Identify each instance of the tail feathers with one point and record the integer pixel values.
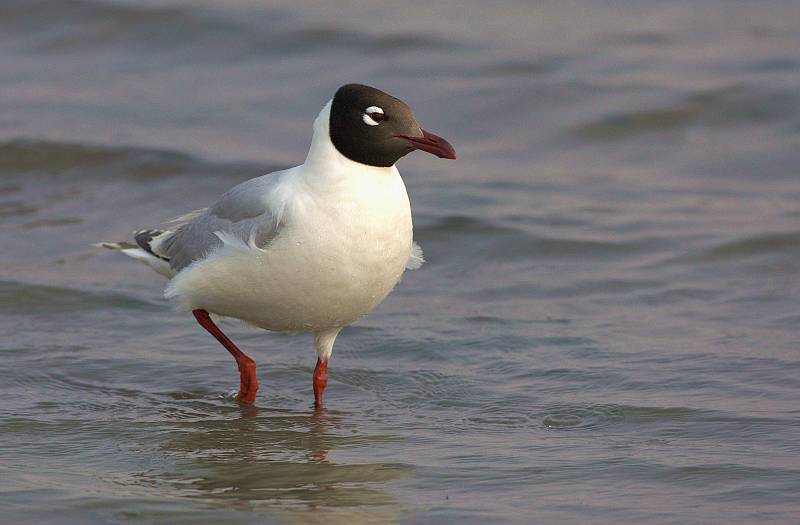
(116, 245)
(159, 265)
(145, 249)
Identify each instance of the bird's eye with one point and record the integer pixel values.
(373, 116)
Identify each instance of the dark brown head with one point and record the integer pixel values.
(374, 128)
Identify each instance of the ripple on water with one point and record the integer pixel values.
(28, 156)
(595, 417)
(26, 299)
(494, 242)
(92, 25)
(723, 107)
(783, 243)
(581, 418)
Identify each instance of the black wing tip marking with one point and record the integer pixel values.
(143, 239)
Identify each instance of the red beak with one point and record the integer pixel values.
(432, 144)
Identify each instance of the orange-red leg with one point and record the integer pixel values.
(320, 381)
(248, 383)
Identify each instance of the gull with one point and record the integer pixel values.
(308, 249)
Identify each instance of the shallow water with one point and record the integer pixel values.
(606, 329)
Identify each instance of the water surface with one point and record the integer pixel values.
(606, 329)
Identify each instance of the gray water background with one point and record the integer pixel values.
(606, 331)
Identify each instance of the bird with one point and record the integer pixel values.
(312, 248)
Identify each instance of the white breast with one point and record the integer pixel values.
(343, 247)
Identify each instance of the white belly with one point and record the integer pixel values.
(337, 257)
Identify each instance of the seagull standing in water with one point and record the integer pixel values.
(308, 249)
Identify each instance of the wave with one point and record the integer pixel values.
(724, 107)
(18, 298)
(28, 156)
(509, 242)
(783, 243)
(204, 29)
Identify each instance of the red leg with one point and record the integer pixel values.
(248, 383)
(320, 381)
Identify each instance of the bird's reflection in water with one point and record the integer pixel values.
(319, 425)
(278, 462)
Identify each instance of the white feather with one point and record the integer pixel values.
(159, 265)
(416, 259)
(234, 242)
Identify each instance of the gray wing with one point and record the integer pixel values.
(243, 212)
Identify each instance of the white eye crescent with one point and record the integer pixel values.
(372, 116)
